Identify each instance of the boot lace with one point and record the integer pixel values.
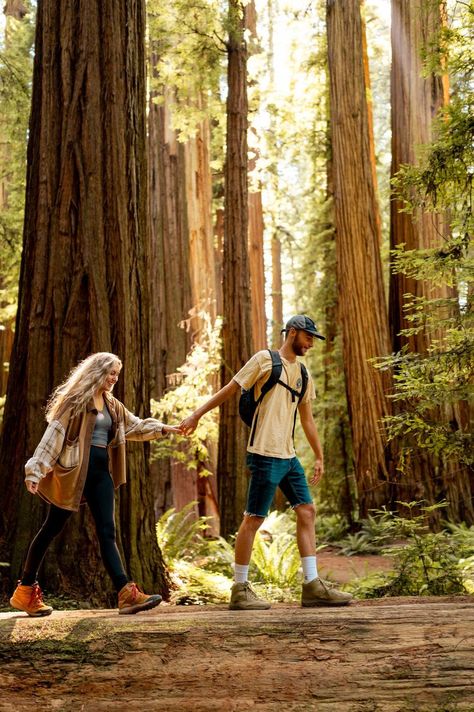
(134, 591)
(36, 598)
(250, 592)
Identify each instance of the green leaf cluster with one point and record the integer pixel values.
(195, 385)
(425, 563)
(16, 67)
(186, 51)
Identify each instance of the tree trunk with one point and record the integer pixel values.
(277, 292)
(202, 274)
(359, 269)
(236, 330)
(336, 489)
(257, 271)
(416, 99)
(201, 255)
(171, 298)
(83, 285)
(256, 225)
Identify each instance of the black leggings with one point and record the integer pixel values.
(99, 494)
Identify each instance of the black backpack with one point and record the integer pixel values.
(248, 404)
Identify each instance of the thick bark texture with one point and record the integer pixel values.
(336, 486)
(236, 330)
(83, 284)
(416, 99)
(362, 306)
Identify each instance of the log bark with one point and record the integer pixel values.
(359, 270)
(374, 655)
(83, 284)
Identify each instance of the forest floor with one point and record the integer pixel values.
(385, 655)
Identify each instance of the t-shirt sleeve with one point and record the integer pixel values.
(256, 368)
(310, 391)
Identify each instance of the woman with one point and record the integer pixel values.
(81, 458)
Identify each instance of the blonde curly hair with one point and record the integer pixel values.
(81, 384)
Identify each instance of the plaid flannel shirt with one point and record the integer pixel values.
(59, 463)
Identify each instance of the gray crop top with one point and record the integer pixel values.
(103, 424)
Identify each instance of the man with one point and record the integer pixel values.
(273, 463)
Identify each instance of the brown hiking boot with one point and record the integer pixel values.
(317, 593)
(132, 600)
(30, 600)
(244, 598)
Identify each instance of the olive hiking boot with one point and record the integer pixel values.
(244, 598)
(30, 600)
(132, 600)
(317, 593)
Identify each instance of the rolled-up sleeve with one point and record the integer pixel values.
(47, 453)
(141, 430)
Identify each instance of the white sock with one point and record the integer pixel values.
(310, 570)
(241, 573)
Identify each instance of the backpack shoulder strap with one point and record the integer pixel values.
(275, 374)
(304, 379)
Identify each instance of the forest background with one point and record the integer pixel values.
(178, 179)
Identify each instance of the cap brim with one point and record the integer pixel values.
(315, 333)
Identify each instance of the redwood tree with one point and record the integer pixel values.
(236, 330)
(361, 298)
(83, 285)
(416, 98)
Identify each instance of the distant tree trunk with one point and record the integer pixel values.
(15, 8)
(416, 99)
(169, 273)
(203, 279)
(277, 286)
(219, 252)
(359, 270)
(256, 226)
(277, 292)
(257, 271)
(201, 257)
(236, 331)
(83, 285)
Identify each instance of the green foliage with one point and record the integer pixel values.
(330, 528)
(197, 586)
(275, 557)
(202, 568)
(375, 532)
(187, 50)
(425, 563)
(16, 62)
(177, 531)
(195, 385)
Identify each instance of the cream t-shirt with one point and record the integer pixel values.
(274, 432)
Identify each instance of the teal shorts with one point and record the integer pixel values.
(268, 473)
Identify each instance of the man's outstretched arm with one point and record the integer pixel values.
(188, 425)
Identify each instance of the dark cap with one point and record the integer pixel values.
(300, 322)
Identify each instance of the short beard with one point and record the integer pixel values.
(297, 347)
